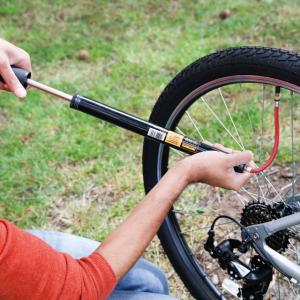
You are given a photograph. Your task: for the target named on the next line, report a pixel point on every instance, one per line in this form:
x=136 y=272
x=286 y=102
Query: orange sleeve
x=31 y=269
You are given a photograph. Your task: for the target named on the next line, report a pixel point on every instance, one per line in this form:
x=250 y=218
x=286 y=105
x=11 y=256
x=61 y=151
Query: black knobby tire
x=267 y=62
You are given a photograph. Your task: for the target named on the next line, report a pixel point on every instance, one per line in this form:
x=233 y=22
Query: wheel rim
x=173 y=123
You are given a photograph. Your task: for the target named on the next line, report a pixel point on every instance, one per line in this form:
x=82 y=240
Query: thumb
x=11 y=80
x=239 y=158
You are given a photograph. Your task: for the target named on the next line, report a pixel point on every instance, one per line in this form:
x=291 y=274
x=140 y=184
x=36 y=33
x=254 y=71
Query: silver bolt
x=251 y=297
x=235 y=276
x=256 y=236
x=211 y=253
x=231 y=277
x=231 y=272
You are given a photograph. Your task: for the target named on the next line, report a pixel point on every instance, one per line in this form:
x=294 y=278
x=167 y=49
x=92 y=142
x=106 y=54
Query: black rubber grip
x=21 y=74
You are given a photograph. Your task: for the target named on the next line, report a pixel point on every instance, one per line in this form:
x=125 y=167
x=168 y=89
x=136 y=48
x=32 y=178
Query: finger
x=228 y=150
x=4 y=86
x=241 y=180
x=11 y=79
x=220 y=147
x=25 y=63
x=236 y=151
x=207 y=143
x=239 y=158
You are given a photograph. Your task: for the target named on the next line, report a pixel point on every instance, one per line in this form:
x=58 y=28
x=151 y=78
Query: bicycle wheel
x=227 y=98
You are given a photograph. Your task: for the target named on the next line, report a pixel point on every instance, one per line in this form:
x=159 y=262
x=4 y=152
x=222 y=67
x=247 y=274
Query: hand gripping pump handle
x=122 y=119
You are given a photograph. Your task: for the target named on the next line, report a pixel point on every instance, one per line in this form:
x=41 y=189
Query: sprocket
x=257 y=213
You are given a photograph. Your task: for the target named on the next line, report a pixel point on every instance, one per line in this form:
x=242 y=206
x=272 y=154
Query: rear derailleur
x=256 y=278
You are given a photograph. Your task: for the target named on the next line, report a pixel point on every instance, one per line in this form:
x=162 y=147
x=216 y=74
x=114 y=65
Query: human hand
x=12 y=55
x=216 y=168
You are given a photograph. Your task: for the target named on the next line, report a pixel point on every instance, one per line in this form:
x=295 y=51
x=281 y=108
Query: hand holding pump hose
x=142 y=127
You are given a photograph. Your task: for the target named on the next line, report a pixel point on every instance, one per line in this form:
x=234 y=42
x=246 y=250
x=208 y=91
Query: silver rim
x=267 y=194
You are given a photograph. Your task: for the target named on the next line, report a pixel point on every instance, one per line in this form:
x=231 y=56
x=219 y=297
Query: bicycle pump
x=122 y=119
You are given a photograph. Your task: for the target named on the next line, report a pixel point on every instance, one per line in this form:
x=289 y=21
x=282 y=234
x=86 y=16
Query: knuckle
x=26 y=56
x=2 y=62
x=12 y=81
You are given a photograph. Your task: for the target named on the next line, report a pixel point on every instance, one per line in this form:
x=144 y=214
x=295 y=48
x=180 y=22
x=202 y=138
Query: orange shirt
x=31 y=269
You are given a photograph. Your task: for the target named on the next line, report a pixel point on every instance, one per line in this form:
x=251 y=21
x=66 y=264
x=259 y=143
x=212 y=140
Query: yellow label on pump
x=188 y=147
x=174 y=138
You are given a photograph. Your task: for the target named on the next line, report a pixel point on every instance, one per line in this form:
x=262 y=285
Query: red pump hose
x=276 y=140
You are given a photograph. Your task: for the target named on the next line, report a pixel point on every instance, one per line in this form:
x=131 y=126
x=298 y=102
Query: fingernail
x=21 y=93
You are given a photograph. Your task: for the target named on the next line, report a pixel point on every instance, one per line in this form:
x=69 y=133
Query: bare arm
x=124 y=246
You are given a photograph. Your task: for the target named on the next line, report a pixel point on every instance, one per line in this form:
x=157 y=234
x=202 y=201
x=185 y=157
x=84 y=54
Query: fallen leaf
x=26 y=138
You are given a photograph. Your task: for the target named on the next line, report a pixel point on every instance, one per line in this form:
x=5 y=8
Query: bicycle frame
x=261 y=231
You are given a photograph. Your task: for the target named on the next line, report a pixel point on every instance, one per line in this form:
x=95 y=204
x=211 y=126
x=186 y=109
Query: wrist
x=183 y=169
x=193 y=167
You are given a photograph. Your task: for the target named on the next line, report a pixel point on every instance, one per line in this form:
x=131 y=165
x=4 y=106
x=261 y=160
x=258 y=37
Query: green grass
x=61 y=169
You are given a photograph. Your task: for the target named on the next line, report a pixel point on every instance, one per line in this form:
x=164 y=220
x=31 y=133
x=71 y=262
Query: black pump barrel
x=137 y=125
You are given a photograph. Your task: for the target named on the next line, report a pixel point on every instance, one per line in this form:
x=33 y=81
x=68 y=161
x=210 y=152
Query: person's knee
x=121 y=295
x=145 y=277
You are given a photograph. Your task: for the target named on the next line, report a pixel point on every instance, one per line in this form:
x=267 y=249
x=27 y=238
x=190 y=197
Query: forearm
x=124 y=246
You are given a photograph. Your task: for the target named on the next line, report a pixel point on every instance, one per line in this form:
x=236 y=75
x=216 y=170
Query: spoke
x=217 y=239
x=222 y=123
x=269 y=183
x=200 y=205
x=262 y=126
x=262 y=118
x=278 y=283
x=295 y=250
x=236 y=141
x=249 y=119
x=293 y=162
x=177 y=152
x=191 y=213
x=241 y=198
x=292 y=287
x=194 y=125
x=253 y=137
x=252 y=195
x=193 y=230
x=231 y=119
x=180 y=131
x=213 y=271
x=295 y=181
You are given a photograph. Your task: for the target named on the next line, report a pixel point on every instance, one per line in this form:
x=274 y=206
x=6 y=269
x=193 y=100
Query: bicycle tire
x=281 y=65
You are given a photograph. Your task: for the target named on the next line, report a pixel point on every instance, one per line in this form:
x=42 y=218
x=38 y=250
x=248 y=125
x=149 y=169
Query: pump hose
x=276 y=143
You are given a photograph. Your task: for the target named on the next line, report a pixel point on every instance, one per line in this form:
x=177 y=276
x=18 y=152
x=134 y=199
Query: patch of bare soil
x=60 y=213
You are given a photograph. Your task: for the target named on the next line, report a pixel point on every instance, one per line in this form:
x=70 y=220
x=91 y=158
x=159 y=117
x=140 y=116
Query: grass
x=67 y=171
